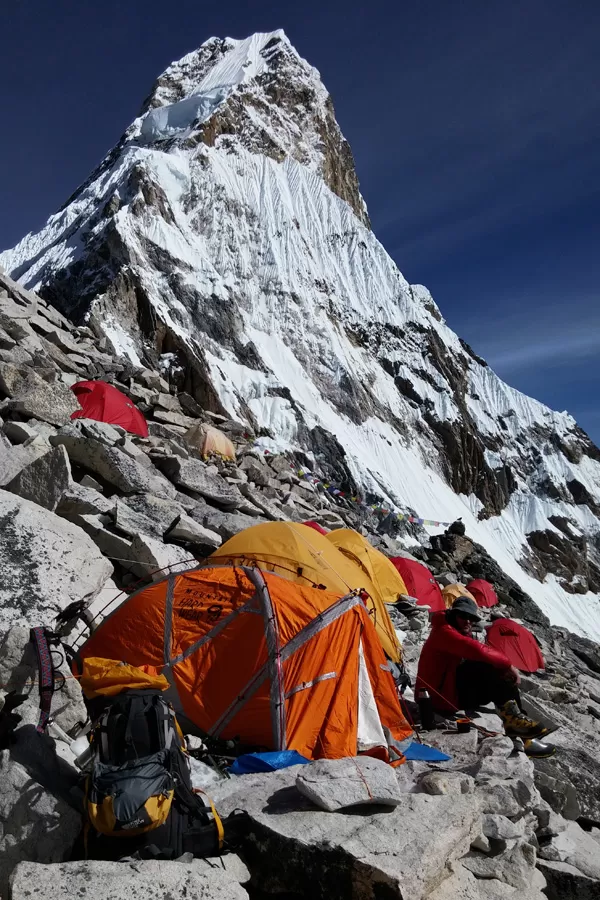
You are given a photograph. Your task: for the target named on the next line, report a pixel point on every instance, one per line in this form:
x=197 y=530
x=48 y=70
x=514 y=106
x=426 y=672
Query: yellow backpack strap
x=216 y=816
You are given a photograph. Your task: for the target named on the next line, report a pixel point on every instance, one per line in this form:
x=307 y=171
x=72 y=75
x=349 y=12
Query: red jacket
x=442 y=652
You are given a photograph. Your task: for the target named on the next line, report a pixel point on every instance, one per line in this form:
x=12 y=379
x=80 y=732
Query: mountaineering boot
x=517 y=724
x=536 y=749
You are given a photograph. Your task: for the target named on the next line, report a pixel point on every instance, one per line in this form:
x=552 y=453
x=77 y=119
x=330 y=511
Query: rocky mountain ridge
x=226 y=236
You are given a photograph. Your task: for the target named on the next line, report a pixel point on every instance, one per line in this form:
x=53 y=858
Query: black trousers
x=478 y=683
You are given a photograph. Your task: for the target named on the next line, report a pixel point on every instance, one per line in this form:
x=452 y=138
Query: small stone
x=189 y=406
x=501 y=747
x=500 y=828
x=225 y=523
x=168 y=402
x=269 y=510
x=14 y=459
x=36 y=825
x=106 y=434
x=6 y=341
x=173 y=418
x=53 y=403
x=481 y=843
x=88 y=481
x=112 y=545
x=132 y=522
x=454 y=783
x=111 y=464
x=515 y=866
x=576 y=847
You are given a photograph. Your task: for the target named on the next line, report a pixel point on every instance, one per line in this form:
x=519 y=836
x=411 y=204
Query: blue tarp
x=266 y=762
x=425 y=753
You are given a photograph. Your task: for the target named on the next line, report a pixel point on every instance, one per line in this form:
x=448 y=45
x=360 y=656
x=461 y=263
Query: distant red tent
x=317 y=527
x=104 y=403
x=420 y=583
x=483 y=592
x=518 y=643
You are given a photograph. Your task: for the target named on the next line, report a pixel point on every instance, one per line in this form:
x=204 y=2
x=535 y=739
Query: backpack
x=139 y=785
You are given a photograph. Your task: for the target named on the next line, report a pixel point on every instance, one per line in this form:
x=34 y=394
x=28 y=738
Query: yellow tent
x=301 y=554
x=383 y=573
x=453 y=591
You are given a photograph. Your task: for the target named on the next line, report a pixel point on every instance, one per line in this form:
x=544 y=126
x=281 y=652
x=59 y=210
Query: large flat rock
x=224 y=523
x=333 y=784
x=14 y=459
x=364 y=853
x=46 y=563
x=195 y=476
x=44 y=480
x=565 y=882
x=573 y=767
x=575 y=847
x=34 y=824
x=111 y=464
x=463 y=885
x=54 y=403
x=139 y=880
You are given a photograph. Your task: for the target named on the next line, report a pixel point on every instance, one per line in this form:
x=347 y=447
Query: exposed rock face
x=565 y=882
x=580 y=769
x=45 y=480
x=47 y=563
x=147 y=880
x=345 y=854
x=198 y=479
x=111 y=464
x=37 y=826
x=33 y=396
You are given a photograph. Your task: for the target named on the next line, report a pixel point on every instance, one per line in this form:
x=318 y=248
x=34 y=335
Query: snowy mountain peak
x=220 y=63
x=226 y=235
x=232 y=87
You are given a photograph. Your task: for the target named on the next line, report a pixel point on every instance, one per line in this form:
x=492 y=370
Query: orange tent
x=284 y=666
x=302 y=555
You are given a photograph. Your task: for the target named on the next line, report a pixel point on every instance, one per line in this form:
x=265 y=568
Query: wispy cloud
x=537 y=331
x=552 y=350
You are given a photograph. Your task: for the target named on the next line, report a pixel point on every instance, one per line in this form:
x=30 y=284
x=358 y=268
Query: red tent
x=420 y=583
x=317 y=527
x=483 y=592
x=518 y=643
x=104 y=403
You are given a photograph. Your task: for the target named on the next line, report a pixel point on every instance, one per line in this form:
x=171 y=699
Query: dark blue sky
x=475 y=125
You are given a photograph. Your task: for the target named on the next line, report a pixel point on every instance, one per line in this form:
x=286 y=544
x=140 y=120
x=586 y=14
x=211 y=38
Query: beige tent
x=453 y=591
x=209 y=440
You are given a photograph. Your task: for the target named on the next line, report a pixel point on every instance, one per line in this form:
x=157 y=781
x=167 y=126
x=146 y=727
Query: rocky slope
x=225 y=239
x=88 y=511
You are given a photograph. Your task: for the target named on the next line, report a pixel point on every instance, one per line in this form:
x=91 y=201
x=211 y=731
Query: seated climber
x=460 y=673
